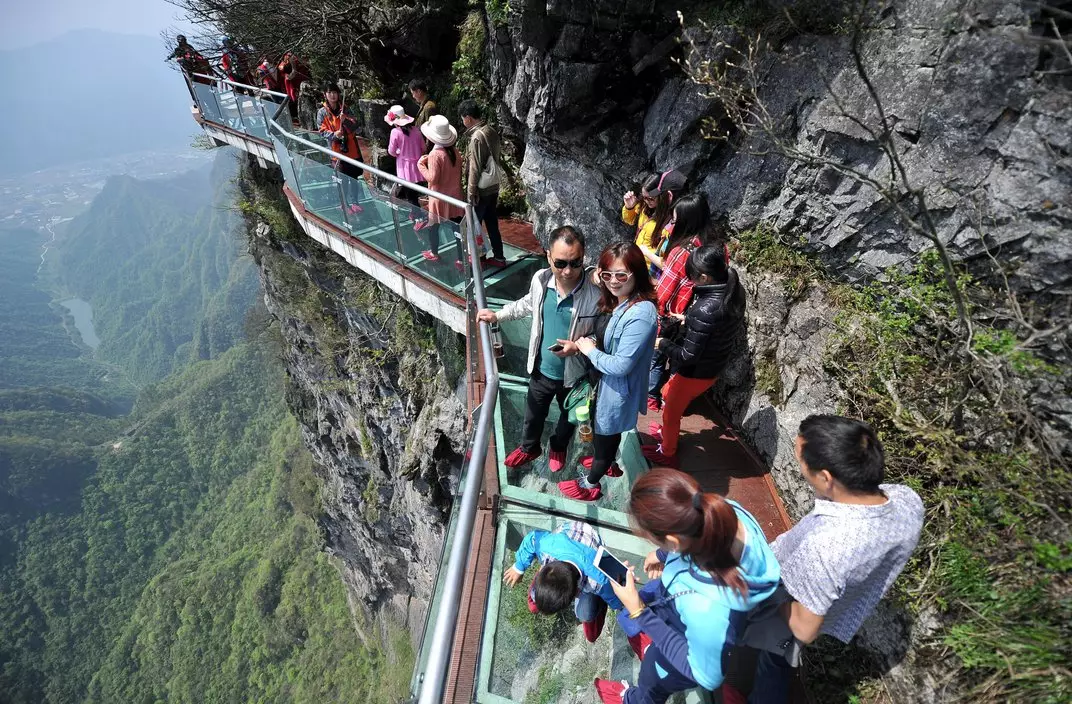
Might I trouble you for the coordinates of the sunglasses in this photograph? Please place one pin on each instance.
(571, 263)
(618, 276)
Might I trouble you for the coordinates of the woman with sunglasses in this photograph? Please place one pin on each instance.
(623, 358)
(650, 213)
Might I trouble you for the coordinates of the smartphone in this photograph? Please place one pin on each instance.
(610, 565)
(557, 347)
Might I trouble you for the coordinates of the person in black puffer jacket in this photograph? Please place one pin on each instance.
(710, 325)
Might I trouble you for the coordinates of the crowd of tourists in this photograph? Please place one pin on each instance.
(649, 327)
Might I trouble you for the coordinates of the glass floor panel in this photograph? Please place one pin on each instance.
(533, 658)
(515, 280)
(536, 485)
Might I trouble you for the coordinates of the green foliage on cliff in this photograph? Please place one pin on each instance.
(994, 561)
(174, 554)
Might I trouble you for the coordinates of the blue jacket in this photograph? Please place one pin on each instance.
(692, 618)
(629, 342)
(559, 546)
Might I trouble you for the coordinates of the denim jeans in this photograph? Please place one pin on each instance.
(658, 375)
(587, 607)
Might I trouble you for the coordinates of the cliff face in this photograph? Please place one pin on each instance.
(375, 386)
(969, 88)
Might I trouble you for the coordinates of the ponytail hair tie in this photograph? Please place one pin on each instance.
(697, 501)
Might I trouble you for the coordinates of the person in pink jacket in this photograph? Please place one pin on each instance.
(407, 147)
(442, 168)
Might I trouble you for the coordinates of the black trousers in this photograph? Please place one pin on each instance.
(487, 212)
(604, 450)
(537, 404)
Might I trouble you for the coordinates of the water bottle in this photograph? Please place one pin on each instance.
(497, 341)
(584, 427)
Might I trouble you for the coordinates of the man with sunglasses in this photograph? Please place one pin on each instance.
(563, 302)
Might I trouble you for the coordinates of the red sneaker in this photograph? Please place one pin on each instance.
(497, 262)
(656, 431)
(419, 225)
(654, 454)
(609, 691)
(520, 457)
(459, 266)
(639, 644)
(654, 404)
(556, 460)
(355, 209)
(613, 471)
(429, 255)
(572, 489)
(592, 629)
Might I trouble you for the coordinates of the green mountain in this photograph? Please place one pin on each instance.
(162, 268)
(173, 554)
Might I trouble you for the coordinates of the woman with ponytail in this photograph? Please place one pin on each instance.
(712, 567)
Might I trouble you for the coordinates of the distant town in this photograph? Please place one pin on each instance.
(41, 199)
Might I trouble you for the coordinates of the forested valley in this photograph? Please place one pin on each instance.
(159, 535)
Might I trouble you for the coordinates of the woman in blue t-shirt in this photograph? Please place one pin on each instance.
(712, 567)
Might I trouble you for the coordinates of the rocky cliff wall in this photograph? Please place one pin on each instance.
(376, 386)
(978, 102)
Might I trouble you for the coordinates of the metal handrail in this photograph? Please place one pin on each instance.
(373, 170)
(447, 619)
(241, 85)
(442, 642)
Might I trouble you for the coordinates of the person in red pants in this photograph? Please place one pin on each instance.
(710, 327)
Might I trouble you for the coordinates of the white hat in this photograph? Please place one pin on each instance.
(438, 131)
(397, 116)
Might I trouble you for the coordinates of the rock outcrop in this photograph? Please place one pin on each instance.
(972, 95)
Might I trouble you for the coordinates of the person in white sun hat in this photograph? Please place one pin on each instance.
(442, 169)
(406, 146)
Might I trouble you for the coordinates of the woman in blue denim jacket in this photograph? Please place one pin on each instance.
(623, 359)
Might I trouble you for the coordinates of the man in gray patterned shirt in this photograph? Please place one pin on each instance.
(840, 559)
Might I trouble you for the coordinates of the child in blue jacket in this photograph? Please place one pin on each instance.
(714, 566)
(567, 575)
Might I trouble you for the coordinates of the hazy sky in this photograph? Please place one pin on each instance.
(26, 22)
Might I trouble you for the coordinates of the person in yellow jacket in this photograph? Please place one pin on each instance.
(650, 213)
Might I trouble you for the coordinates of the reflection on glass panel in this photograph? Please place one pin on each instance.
(252, 117)
(512, 282)
(228, 102)
(370, 217)
(206, 102)
(515, 334)
(285, 164)
(319, 187)
(537, 477)
(536, 658)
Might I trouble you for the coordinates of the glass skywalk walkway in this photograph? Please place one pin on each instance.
(496, 652)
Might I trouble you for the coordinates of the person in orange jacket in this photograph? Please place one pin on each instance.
(339, 125)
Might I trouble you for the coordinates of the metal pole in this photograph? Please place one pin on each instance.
(242, 85)
(447, 618)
